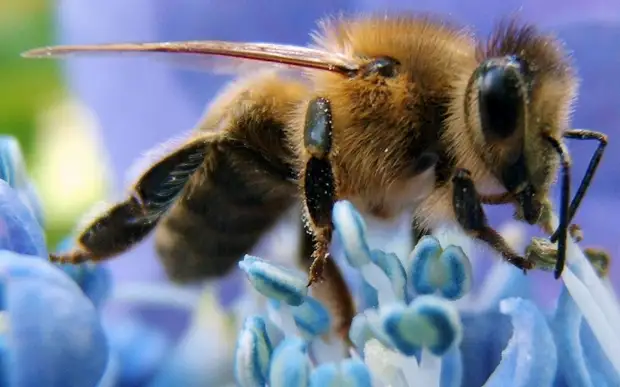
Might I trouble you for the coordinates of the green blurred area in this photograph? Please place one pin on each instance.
(28, 86)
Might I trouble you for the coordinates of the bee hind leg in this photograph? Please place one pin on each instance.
(111, 233)
(470, 215)
(319, 182)
(128, 222)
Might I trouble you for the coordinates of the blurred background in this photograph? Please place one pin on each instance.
(83, 123)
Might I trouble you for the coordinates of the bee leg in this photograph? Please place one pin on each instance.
(128, 222)
(582, 134)
(333, 292)
(600, 260)
(470, 215)
(319, 183)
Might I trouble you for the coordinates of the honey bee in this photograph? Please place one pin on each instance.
(394, 113)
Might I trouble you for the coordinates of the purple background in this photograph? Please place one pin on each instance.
(141, 103)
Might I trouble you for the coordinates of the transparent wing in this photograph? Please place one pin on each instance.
(214, 56)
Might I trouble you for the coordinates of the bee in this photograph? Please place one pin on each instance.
(393, 113)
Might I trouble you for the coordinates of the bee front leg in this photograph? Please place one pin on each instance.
(319, 182)
(470, 215)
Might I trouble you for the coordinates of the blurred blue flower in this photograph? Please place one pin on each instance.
(439, 338)
(94, 279)
(51, 333)
(20, 215)
(138, 349)
(21, 222)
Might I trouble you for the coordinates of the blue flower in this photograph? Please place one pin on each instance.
(51, 333)
(21, 223)
(20, 215)
(138, 350)
(94, 279)
(442, 336)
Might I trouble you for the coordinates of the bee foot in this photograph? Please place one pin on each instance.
(575, 232)
(316, 271)
(543, 252)
(73, 257)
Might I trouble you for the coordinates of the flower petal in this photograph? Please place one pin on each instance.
(20, 231)
(452, 368)
(326, 375)
(485, 335)
(351, 231)
(12, 165)
(367, 294)
(596, 361)
(356, 373)
(13, 171)
(30, 197)
(274, 281)
(566, 327)
(360, 331)
(530, 358)
(139, 350)
(502, 281)
(52, 326)
(389, 366)
(95, 279)
(204, 356)
(349, 373)
(290, 366)
(253, 353)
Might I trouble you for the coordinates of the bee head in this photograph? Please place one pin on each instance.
(519, 99)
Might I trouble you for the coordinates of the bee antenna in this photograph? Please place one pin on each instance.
(564, 203)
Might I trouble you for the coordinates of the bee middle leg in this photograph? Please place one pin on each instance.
(319, 182)
(333, 292)
(470, 215)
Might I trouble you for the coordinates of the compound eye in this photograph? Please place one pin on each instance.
(384, 66)
(500, 96)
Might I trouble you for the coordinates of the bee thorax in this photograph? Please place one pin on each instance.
(391, 200)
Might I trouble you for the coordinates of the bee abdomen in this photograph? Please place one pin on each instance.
(233, 200)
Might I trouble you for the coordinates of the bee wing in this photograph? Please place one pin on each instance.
(215, 56)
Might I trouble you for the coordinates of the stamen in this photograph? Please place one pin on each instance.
(253, 353)
(290, 366)
(275, 281)
(428, 322)
(351, 231)
(431, 269)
